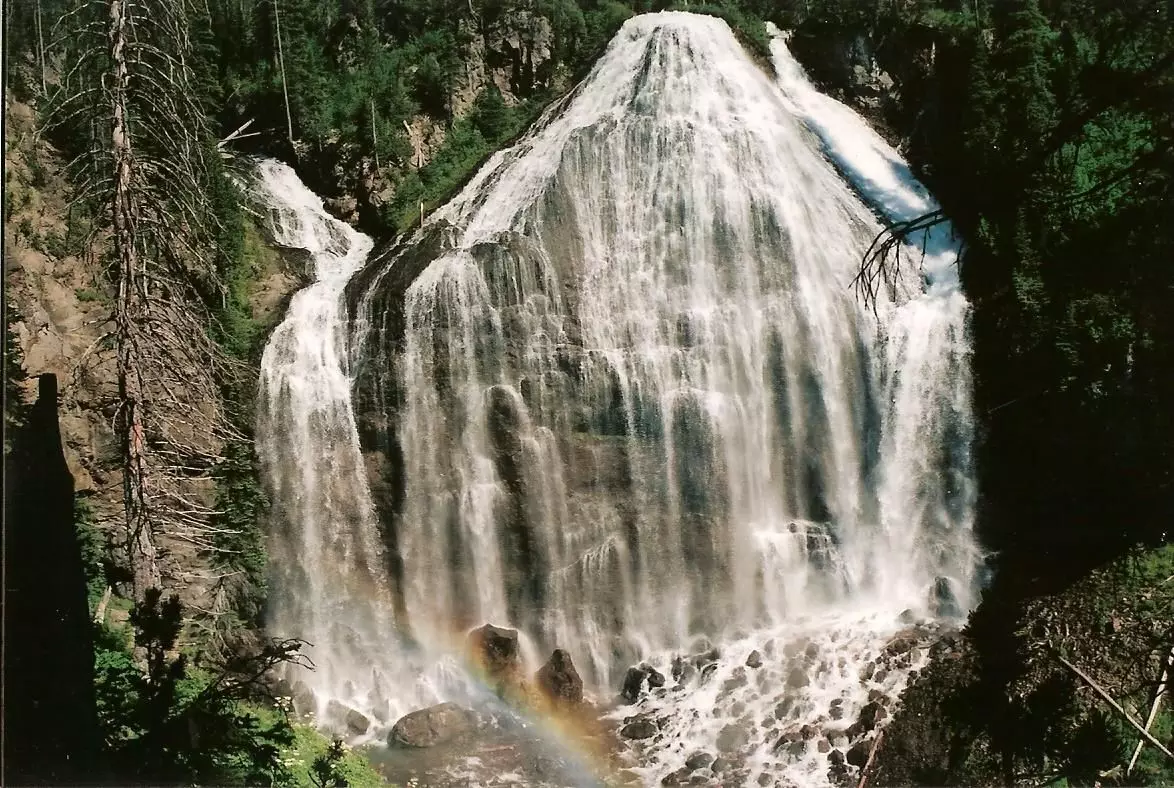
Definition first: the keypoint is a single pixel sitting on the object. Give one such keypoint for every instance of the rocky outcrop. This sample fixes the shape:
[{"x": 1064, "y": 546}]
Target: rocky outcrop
[
  {"x": 880, "y": 70},
  {"x": 510, "y": 46},
  {"x": 431, "y": 726}
]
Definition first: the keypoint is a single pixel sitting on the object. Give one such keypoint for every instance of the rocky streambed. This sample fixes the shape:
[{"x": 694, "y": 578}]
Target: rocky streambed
[{"x": 797, "y": 707}]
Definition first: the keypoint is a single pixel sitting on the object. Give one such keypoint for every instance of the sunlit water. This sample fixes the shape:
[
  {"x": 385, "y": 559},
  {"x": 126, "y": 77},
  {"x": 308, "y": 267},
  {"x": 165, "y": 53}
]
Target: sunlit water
[{"x": 638, "y": 405}]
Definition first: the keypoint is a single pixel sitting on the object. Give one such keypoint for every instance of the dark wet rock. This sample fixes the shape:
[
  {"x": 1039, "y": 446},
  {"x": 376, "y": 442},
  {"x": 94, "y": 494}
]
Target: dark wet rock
[
  {"x": 699, "y": 760},
  {"x": 824, "y": 746},
  {"x": 558, "y": 681},
  {"x": 719, "y": 765},
  {"x": 701, "y": 777},
  {"x": 496, "y": 651},
  {"x": 797, "y": 678},
  {"x": 640, "y": 728},
  {"x": 858, "y": 753},
  {"x": 943, "y": 601},
  {"x": 836, "y": 702},
  {"x": 654, "y": 676},
  {"x": 683, "y": 670},
  {"x": 737, "y": 679},
  {"x": 792, "y": 735},
  {"x": 871, "y": 714},
  {"x": 754, "y": 660},
  {"x": 783, "y": 708},
  {"x": 902, "y": 643},
  {"x": 836, "y": 712},
  {"x": 868, "y": 671},
  {"x": 881, "y": 674},
  {"x": 633, "y": 684},
  {"x": 431, "y": 726},
  {"x": 708, "y": 671},
  {"x": 907, "y": 617},
  {"x": 679, "y": 777},
  {"x": 836, "y": 757},
  {"x": 732, "y": 738},
  {"x": 765, "y": 779}
]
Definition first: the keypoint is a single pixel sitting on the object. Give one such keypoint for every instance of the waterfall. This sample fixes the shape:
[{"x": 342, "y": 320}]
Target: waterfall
[
  {"x": 329, "y": 579},
  {"x": 619, "y": 394}
]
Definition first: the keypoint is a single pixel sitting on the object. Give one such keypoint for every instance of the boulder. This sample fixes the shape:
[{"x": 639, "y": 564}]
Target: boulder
[
  {"x": 797, "y": 678},
  {"x": 858, "y": 753},
  {"x": 431, "y": 726},
  {"x": 754, "y": 661},
  {"x": 732, "y": 738},
  {"x": 639, "y": 728},
  {"x": 355, "y": 721},
  {"x": 737, "y": 679},
  {"x": 699, "y": 760},
  {"x": 836, "y": 758},
  {"x": 654, "y": 676},
  {"x": 870, "y": 715},
  {"x": 558, "y": 681},
  {"x": 497, "y": 653},
  {"x": 633, "y": 685}
]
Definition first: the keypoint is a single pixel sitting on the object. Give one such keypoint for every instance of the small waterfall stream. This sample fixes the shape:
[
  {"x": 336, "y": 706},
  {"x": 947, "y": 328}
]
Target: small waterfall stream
[
  {"x": 329, "y": 579},
  {"x": 633, "y": 407}
]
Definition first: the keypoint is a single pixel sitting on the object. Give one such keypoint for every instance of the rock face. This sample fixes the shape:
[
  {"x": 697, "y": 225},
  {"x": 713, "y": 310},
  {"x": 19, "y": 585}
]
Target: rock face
[
  {"x": 558, "y": 680},
  {"x": 431, "y": 726}
]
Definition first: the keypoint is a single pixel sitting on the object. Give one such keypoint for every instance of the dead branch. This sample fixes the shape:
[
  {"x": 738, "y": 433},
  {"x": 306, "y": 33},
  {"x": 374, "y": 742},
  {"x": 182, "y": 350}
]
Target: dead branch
[
  {"x": 880, "y": 267},
  {"x": 1145, "y": 734}
]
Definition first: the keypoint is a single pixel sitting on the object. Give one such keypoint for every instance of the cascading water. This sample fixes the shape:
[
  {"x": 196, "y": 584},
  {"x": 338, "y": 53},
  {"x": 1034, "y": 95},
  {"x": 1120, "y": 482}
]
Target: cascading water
[
  {"x": 625, "y": 400},
  {"x": 329, "y": 579}
]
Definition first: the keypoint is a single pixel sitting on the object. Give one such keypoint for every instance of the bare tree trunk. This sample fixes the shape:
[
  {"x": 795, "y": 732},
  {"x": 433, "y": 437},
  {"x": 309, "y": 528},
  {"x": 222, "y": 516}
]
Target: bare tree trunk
[
  {"x": 281, "y": 63},
  {"x": 374, "y": 135},
  {"x": 1163, "y": 688},
  {"x": 1145, "y": 734},
  {"x": 41, "y": 50},
  {"x": 129, "y": 422}
]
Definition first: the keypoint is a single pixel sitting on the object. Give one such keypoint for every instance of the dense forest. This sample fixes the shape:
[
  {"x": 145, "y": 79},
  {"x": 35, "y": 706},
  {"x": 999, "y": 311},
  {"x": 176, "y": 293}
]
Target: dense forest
[{"x": 1044, "y": 127}]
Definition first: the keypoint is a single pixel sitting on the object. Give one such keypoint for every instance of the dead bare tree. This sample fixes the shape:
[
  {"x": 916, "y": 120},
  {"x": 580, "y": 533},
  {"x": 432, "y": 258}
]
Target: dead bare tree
[{"x": 128, "y": 87}]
